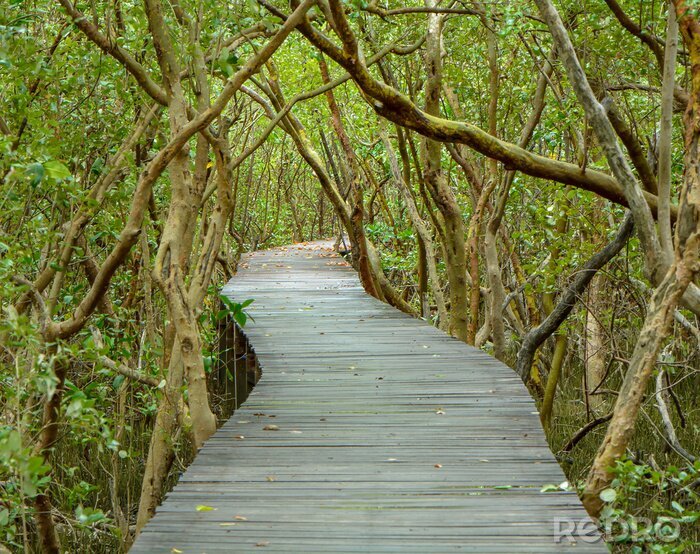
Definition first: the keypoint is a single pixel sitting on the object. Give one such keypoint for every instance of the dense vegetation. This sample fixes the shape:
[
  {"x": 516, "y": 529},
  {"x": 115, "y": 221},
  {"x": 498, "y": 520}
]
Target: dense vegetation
[{"x": 525, "y": 177}]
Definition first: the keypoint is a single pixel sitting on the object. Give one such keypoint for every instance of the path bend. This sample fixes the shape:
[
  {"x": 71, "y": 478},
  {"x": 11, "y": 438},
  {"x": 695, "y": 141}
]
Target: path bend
[{"x": 390, "y": 435}]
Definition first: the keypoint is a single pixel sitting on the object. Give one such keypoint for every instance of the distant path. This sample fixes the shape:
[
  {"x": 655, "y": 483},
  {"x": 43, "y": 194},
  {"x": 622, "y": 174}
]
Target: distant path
[{"x": 388, "y": 435}]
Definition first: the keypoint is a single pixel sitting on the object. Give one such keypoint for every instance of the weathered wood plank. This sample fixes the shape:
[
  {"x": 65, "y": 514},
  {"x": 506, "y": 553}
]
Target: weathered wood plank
[{"x": 389, "y": 435}]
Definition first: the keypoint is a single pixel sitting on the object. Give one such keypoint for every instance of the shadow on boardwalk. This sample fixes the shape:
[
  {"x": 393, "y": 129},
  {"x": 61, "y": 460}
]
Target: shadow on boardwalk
[{"x": 369, "y": 431}]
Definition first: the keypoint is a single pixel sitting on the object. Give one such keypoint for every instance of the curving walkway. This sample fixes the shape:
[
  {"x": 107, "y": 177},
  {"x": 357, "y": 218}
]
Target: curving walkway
[{"x": 369, "y": 432}]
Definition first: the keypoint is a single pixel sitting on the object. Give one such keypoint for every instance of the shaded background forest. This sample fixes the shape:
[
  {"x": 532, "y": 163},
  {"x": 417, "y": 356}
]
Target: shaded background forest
[{"x": 146, "y": 146}]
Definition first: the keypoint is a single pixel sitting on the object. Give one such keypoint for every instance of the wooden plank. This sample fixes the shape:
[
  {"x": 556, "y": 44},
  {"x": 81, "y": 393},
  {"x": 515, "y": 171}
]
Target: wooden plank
[{"x": 389, "y": 436}]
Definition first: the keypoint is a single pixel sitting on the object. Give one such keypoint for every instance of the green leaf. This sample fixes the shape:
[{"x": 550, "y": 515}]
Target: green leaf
[
  {"x": 226, "y": 301},
  {"x": 56, "y": 170},
  {"x": 240, "y": 318},
  {"x": 608, "y": 495},
  {"x": 118, "y": 381},
  {"x": 221, "y": 314},
  {"x": 232, "y": 59},
  {"x": 270, "y": 22},
  {"x": 204, "y": 508},
  {"x": 87, "y": 516},
  {"x": 36, "y": 173}
]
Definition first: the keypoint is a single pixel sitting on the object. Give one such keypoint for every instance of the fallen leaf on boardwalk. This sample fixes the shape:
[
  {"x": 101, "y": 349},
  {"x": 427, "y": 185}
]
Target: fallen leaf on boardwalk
[
  {"x": 203, "y": 508},
  {"x": 271, "y": 428},
  {"x": 240, "y": 518},
  {"x": 438, "y": 466},
  {"x": 262, "y": 543},
  {"x": 175, "y": 551},
  {"x": 239, "y": 437},
  {"x": 503, "y": 487},
  {"x": 271, "y": 478}
]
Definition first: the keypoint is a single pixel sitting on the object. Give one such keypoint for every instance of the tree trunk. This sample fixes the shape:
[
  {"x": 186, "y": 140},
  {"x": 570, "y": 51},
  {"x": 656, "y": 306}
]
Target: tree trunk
[
  {"x": 595, "y": 344},
  {"x": 440, "y": 190},
  {"x": 160, "y": 453}
]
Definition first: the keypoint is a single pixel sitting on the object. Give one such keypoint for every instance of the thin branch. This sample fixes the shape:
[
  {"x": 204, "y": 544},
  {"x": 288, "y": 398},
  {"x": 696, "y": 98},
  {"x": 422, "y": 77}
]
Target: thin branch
[
  {"x": 143, "y": 78},
  {"x": 535, "y": 337},
  {"x": 583, "y": 431},
  {"x": 669, "y": 429},
  {"x": 126, "y": 371}
]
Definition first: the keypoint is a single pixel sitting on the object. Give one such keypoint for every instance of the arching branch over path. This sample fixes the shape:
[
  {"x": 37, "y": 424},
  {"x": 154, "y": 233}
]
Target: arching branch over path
[{"x": 393, "y": 105}]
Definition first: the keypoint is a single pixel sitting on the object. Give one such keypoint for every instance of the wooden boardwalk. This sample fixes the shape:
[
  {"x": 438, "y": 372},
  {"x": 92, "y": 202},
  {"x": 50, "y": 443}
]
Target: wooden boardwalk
[{"x": 369, "y": 432}]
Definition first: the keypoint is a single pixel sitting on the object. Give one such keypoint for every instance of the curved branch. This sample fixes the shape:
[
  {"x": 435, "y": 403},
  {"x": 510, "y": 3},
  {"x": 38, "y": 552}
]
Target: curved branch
[
  {"x": 153, "y": 89},
  {"x": 535, "y": 337},
  {"x": 653, "y": 42},
  {"x": 669, "y": 430},
  {"x": 583, "y": 431},
  {"x": 398, "y": 108}
]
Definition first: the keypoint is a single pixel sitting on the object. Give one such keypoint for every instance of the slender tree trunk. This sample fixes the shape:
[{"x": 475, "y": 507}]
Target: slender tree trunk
[
  {"x": 421, "y": 229},
  {"x": 595, "y": 343},
  {"x": 439, "y": 188},
  {"x": 553, "y": 380},
  {"x": 665, "y": 137},
  {"x": 160, "y": 453}
]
